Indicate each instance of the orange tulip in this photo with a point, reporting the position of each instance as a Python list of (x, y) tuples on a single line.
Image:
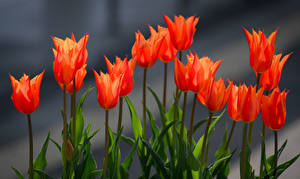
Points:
[(79, 77), (69, 56), (146, 51), (167, 51), (216, 95), (244, 103), (202, 72), (108, 90), (273, 109), (196, 74), (26, 92), (182, 31), (261, 50), (270, 78), (122, 68)]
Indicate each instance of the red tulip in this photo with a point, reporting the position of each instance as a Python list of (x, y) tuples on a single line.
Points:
[(146, 51), (182, 31), (167, 51), (69, 56), (261, 50), (108, 90), (273, 109), (122, 68), (244, 103), (270, 78), (216, 95), (79, 77), (26, 92), (202, 72)]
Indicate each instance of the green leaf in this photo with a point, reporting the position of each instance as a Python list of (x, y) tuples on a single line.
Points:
[(160, 106), (199, 124), (128, 140), (40, 162), (20, 176), (160, 164), (193, 162), (135, 121), (125, 166), (282, 167), (154, 128), (43, 174), (56, 144)]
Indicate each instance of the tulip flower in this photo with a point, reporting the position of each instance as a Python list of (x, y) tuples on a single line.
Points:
[(273, 109), (244, 103), (167, 51), (261, 50), (26, 92), (202, 72), (270, 78), (125, 68), (216, 95), (182, 31), (26, 98), (146, 51), (69, 57), (79, 77), (108, 90)]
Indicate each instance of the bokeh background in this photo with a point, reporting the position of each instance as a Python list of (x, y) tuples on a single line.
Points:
[(25, 46)]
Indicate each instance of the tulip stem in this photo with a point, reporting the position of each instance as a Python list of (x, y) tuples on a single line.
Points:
[(205, 137), (73, 111), (106, 144), (183, 113), (165, 84), (230, 135), (275, 153), (252, 123), (263, 145), (144, 103), (65, 137), (244, 151), (191, 131), (120, 114), (30, 147)]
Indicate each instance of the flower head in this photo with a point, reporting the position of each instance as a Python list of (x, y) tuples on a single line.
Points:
[(270, 78), (108, 90), (69, 56), (125, 68), (79, 77), (216, 95), (26, 92), (182, 31), (261, 50), (273, 109), (146, 51), (167, 51), (244, 103)]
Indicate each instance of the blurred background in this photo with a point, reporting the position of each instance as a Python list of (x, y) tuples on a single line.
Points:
[(26, 47)]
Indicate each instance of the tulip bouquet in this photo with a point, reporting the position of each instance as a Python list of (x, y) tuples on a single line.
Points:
[(171, 151)]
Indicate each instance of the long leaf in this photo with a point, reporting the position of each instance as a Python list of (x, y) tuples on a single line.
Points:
[(20, 176), (125, 166), (135, 121), (40, 162)]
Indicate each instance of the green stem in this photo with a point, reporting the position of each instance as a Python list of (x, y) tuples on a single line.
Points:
[(120, 114), (244, 151), (73, 111), (144, 103), (183, 114), (205, 137), (165, 85), (252, 123), (206, 153), (175, 107), (230, 135), (30, 147), (275, 153), (106, 144), (191, 131), (65, 137)]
